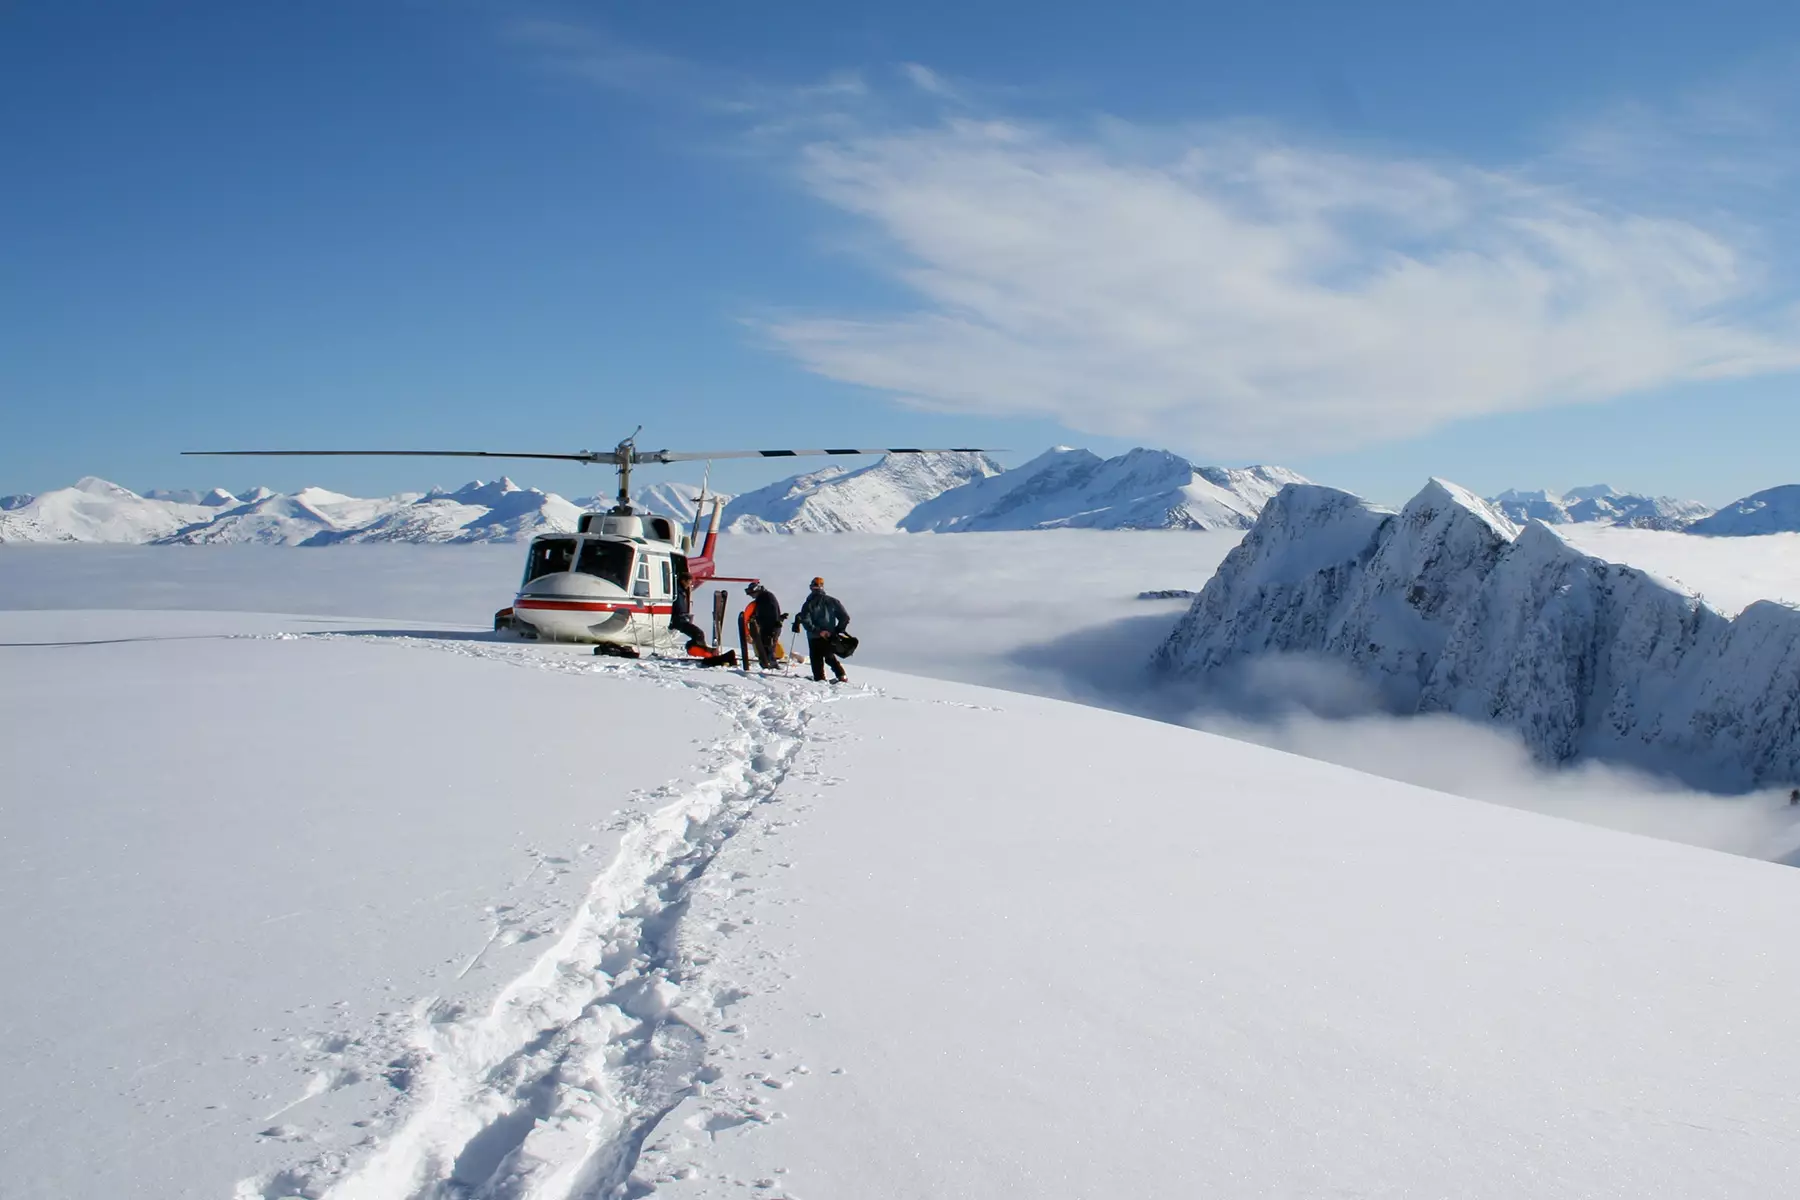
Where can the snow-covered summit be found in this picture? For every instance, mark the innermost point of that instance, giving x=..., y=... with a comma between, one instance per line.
x=1774, y=510
x=668, y=499
x=272, y=520
x=1599, y=503
x=97, y=510
x=1447, y=606
x=500, y=511
x=1076, y=489
x=871, y=499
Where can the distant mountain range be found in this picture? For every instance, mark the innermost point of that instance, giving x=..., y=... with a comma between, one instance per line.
x=872, y=499
x=94, y=510
x=948, y=493
x=1063, y=488
x=1602, y=504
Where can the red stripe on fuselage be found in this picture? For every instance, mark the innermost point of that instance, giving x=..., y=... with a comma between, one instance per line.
x=594, y=606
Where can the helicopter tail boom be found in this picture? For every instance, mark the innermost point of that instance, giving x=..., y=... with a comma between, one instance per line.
x=700, y=566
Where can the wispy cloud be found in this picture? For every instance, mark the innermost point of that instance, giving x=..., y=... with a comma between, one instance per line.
x=1724, y=141
x=1232, y=289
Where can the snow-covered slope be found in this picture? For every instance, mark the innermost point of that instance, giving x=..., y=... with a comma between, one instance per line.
x=269, y=521
x=1447, y=607
x=1069, y=488
x=500, y=511
x=871, y=499
x=667, y=499
x=1775, y=510
x=804, y=942
x=95, y=510
x=1602, y=504
x=15, y=527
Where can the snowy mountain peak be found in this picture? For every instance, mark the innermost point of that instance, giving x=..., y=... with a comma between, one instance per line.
x=1441, y=492
x=1599, y=503
x=316, y=495
x=1518, y=496
x=1448, y=607
x=871, y=499
x=273, y=520
x=1774, y=510
x=671, y=499
x=478, y=492
x=93, y=485
x=1076, y=489
x=1596, y=491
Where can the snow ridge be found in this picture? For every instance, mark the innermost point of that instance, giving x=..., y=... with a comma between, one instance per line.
x=1065, y=488
x=1600, y=504
x=871, y=499
x=1773, y=510
x=551, y=1093
x=1447, y=607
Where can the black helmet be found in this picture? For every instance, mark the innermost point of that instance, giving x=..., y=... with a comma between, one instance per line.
x=753, y=589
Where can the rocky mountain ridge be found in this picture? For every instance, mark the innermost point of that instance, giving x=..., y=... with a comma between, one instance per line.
x=1447, y=606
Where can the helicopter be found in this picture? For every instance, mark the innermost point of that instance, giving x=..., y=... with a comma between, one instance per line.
x=612, y=581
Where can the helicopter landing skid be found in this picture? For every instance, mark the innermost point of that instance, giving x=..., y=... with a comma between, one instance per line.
x=609, y=650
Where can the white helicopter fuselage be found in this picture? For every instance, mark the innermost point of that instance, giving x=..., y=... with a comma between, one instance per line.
x=613, y=582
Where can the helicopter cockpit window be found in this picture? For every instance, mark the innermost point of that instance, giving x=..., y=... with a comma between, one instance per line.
x=610, y=561
x=549, y=557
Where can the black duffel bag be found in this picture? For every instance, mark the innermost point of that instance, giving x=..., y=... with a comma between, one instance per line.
x=841, y=644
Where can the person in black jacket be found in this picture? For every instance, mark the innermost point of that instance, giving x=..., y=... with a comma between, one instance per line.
x=824, y=618
x=765, y=625
x=681, y=616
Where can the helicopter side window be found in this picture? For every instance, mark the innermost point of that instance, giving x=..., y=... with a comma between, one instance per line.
x=667, y=588
x=610, y=561
x=642, y=586
x=548, y=557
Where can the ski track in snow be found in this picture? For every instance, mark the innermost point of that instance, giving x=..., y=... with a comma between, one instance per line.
x=552, y=1092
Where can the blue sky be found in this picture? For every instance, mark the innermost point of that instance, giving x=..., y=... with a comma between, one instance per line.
x=1524, y=245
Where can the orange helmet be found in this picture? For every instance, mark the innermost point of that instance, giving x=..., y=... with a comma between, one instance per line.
x=818, y=582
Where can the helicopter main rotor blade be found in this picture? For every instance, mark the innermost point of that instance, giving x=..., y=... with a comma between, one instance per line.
x=586, y=456
x=665, y=456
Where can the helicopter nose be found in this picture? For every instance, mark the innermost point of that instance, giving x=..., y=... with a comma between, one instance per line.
x=573, y=585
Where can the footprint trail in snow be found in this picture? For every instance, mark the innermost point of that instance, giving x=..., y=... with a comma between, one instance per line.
x=552, y=1091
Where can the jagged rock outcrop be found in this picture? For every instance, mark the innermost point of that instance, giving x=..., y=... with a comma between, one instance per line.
x=1448, y=607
